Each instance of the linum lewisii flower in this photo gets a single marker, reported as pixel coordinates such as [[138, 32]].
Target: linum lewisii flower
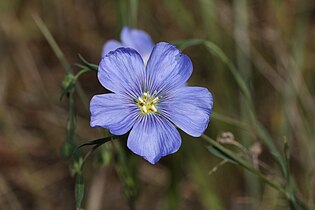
[[150, 100], [132, 38]]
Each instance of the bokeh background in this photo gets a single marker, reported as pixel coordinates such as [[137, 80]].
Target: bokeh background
[[271, 43]]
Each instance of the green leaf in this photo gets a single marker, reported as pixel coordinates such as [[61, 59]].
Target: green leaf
[[98, 142], [183, 44], [79, 190], [89, 65], [95, 143], [133, 12], [76, 166], [104, 156], [286, 158], [215, 151], [67, 149], [52, 42], [68, 84]]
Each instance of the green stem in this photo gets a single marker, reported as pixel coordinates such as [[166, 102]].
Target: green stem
[[245, 165], [53, 44], [295, 202], [231, 121], [243, 64], [259, 129], [76, 77], [133, 12], [56, 49]]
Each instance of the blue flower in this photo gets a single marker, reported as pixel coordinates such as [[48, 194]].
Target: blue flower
[[132, 38], [150, 100]]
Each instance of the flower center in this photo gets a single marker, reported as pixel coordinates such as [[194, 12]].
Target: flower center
[[147, 103]]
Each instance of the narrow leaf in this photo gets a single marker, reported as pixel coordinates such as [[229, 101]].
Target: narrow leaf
[[91, 66], [79, 190], [215, 151], [98, 141]]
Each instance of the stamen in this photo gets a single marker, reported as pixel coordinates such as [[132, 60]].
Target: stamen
[[153, 108], [140, 99], [148, 103], [155, 100], [145, 109]]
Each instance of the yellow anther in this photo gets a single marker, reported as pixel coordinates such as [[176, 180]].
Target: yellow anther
[[155, 100], [144, 108], [153, 108], [140, 99], [147, 103]]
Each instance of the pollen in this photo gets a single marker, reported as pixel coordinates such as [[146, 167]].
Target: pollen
[[148, 103]]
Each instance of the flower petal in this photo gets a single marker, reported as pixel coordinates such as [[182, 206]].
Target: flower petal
[[189, 108], [113, 111], [111, 45], [138, 40], [153, 137], [167, 68], [122, 71]]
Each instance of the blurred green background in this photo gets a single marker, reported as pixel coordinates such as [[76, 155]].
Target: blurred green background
[[270, 42]]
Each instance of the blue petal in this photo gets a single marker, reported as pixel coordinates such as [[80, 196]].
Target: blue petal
[[189, 108], [113, 111], [138, 40], [122, 71], [167, 68], [153, 137], [111, 45]]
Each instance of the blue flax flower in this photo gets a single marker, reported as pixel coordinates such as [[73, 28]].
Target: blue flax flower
[[150, 100], [132, 38]]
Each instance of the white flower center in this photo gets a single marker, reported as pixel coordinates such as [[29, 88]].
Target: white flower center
[[147, 103], [146, 58]]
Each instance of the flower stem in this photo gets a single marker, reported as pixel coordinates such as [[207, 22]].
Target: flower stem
[[245, 165]]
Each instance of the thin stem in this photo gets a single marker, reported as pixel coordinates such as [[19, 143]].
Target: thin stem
[[259, 129], [56, 49], [245, 165], [133, 12], [53, 44], [230, 121], [80, 73]]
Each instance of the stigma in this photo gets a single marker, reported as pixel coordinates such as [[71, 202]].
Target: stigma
[[148, 103]]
